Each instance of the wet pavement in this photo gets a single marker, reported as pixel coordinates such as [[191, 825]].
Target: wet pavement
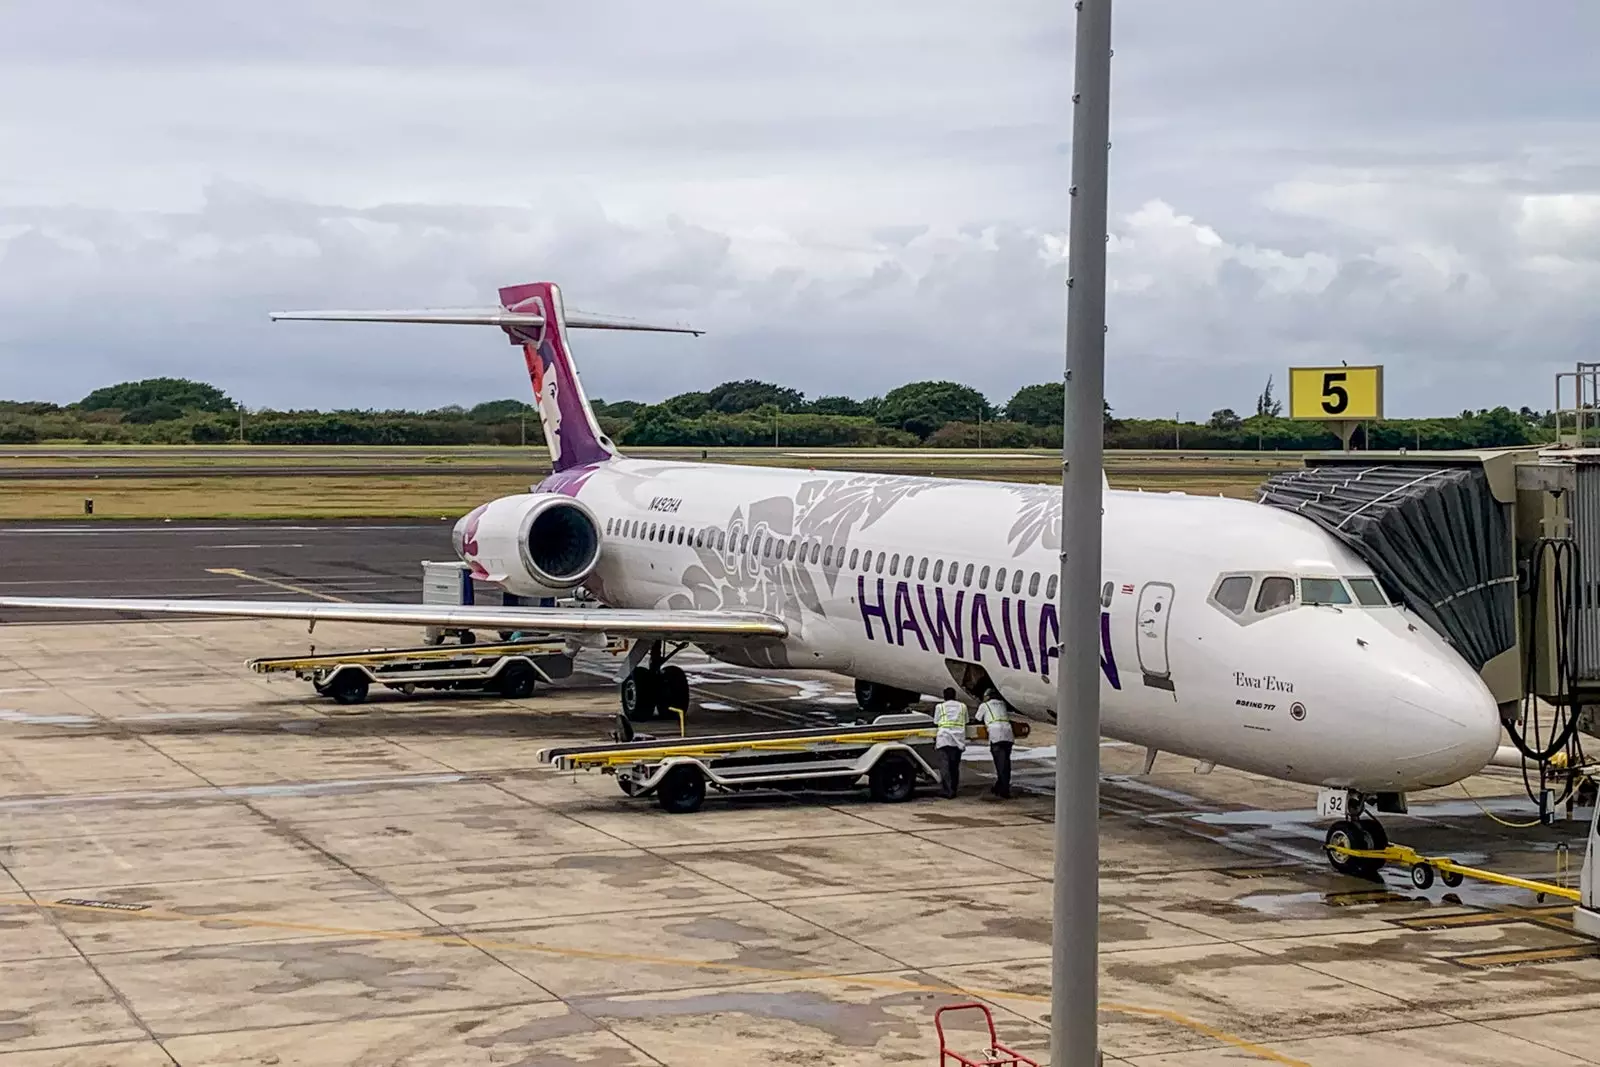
[[199, 865]]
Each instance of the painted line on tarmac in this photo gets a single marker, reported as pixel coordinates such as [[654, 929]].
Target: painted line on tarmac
[[234, 572], [769, 973]]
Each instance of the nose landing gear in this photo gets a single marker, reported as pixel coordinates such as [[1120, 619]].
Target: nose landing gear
[[1357, 831]]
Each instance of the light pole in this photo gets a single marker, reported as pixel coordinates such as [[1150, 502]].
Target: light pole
[[1075, 937]]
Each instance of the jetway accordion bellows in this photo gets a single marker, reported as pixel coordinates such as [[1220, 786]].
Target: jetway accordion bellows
[[1435, 536]]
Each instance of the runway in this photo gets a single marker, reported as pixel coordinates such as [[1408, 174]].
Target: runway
[[347, 559]]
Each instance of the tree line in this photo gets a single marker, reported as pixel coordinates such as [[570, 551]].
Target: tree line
[[745, 413]]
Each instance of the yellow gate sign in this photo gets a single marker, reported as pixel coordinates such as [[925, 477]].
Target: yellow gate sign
[[1329, 394]]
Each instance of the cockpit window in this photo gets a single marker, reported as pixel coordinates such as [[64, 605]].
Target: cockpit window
[[1276, 592], [1234, 593], [1368, 593], [1323, 591]]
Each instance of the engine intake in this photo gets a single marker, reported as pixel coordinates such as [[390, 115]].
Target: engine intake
[[532, 544]]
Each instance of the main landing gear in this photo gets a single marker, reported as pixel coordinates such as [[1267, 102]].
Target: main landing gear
[[875, 698], [655, 688]]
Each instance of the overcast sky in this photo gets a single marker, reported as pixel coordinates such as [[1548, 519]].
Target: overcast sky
[[847, 196]]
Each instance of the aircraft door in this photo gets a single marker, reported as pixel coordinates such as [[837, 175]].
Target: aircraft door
[[1154, 616]]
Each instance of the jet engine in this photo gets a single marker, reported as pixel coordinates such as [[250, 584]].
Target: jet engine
[[532, 544]]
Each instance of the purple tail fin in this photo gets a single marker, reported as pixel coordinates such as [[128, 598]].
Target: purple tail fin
[[570, 428]]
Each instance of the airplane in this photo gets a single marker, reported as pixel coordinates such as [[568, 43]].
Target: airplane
[[1230, 632]]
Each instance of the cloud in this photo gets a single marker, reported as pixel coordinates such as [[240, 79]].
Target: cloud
[[843, 211]]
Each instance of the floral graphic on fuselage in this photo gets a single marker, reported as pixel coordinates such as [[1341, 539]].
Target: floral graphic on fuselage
[[763, 559]]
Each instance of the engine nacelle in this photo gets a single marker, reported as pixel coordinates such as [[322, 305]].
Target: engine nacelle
[[532, 544]]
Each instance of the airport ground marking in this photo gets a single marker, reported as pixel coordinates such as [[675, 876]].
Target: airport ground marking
[[99, 909], [234, 572]]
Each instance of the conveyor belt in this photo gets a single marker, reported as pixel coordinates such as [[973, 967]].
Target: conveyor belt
[[379, 656], [899, 728]]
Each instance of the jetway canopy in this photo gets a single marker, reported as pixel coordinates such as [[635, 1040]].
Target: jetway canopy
[[1433, 531]]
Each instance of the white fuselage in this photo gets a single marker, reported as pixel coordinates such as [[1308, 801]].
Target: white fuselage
[[912, 582]]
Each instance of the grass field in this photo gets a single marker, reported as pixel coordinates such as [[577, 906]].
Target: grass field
[[179, 482]]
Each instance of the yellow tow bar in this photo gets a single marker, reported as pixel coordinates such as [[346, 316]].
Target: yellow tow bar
[[1451, 872]]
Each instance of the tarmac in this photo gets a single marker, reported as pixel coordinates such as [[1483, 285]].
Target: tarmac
[[345, 560], [199, 865]]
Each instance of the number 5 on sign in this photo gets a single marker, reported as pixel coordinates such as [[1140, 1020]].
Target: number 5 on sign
[[1326, 393]]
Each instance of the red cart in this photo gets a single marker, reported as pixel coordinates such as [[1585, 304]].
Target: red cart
[[996, 1055]]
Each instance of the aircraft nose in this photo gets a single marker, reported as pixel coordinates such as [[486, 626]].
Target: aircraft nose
[[1445, 716]]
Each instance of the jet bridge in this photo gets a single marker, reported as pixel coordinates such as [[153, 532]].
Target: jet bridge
[[1496, 549]]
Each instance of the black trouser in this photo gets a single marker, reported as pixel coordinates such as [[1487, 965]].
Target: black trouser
[[1001, 751], [949, 770]]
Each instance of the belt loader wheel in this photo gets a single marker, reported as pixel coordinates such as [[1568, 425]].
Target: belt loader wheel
[[892, 779], [682, 790], [516, 681], [1452, 878], [1421, 875], [349, 686]]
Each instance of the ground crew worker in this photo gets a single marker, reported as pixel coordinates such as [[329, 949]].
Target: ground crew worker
[[995, 714], [950, 716]]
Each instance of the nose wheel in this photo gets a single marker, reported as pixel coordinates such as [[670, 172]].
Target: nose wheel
[[1362, 833]]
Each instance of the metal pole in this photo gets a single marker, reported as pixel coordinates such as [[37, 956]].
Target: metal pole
[[1075, 940]]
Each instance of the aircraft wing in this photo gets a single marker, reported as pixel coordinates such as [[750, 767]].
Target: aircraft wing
[[686, 625]]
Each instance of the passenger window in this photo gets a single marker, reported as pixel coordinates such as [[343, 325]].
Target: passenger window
[[766, 547], [938, 569], [1234, 593], [1323, 591], [1050, 589], [1368, 593], [608, 526], [1000, 580], [1033, 584], [792, 546], [983, 578], [966, 578], [827, 556], [816, 551], [922, 570], [1275, 593], [1016, 583], [855, 554], [682, 534], [744, 544], [894, 565], [652, 534], [880, 562]]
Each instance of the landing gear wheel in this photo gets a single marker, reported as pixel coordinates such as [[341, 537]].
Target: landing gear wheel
[[892, 780], [1348, 834], [348, 687], [872, 697], [682, 790], [1421, 875], [639, 695], [672, 692], [1452, 878], [1375, 834], [516, 682]]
